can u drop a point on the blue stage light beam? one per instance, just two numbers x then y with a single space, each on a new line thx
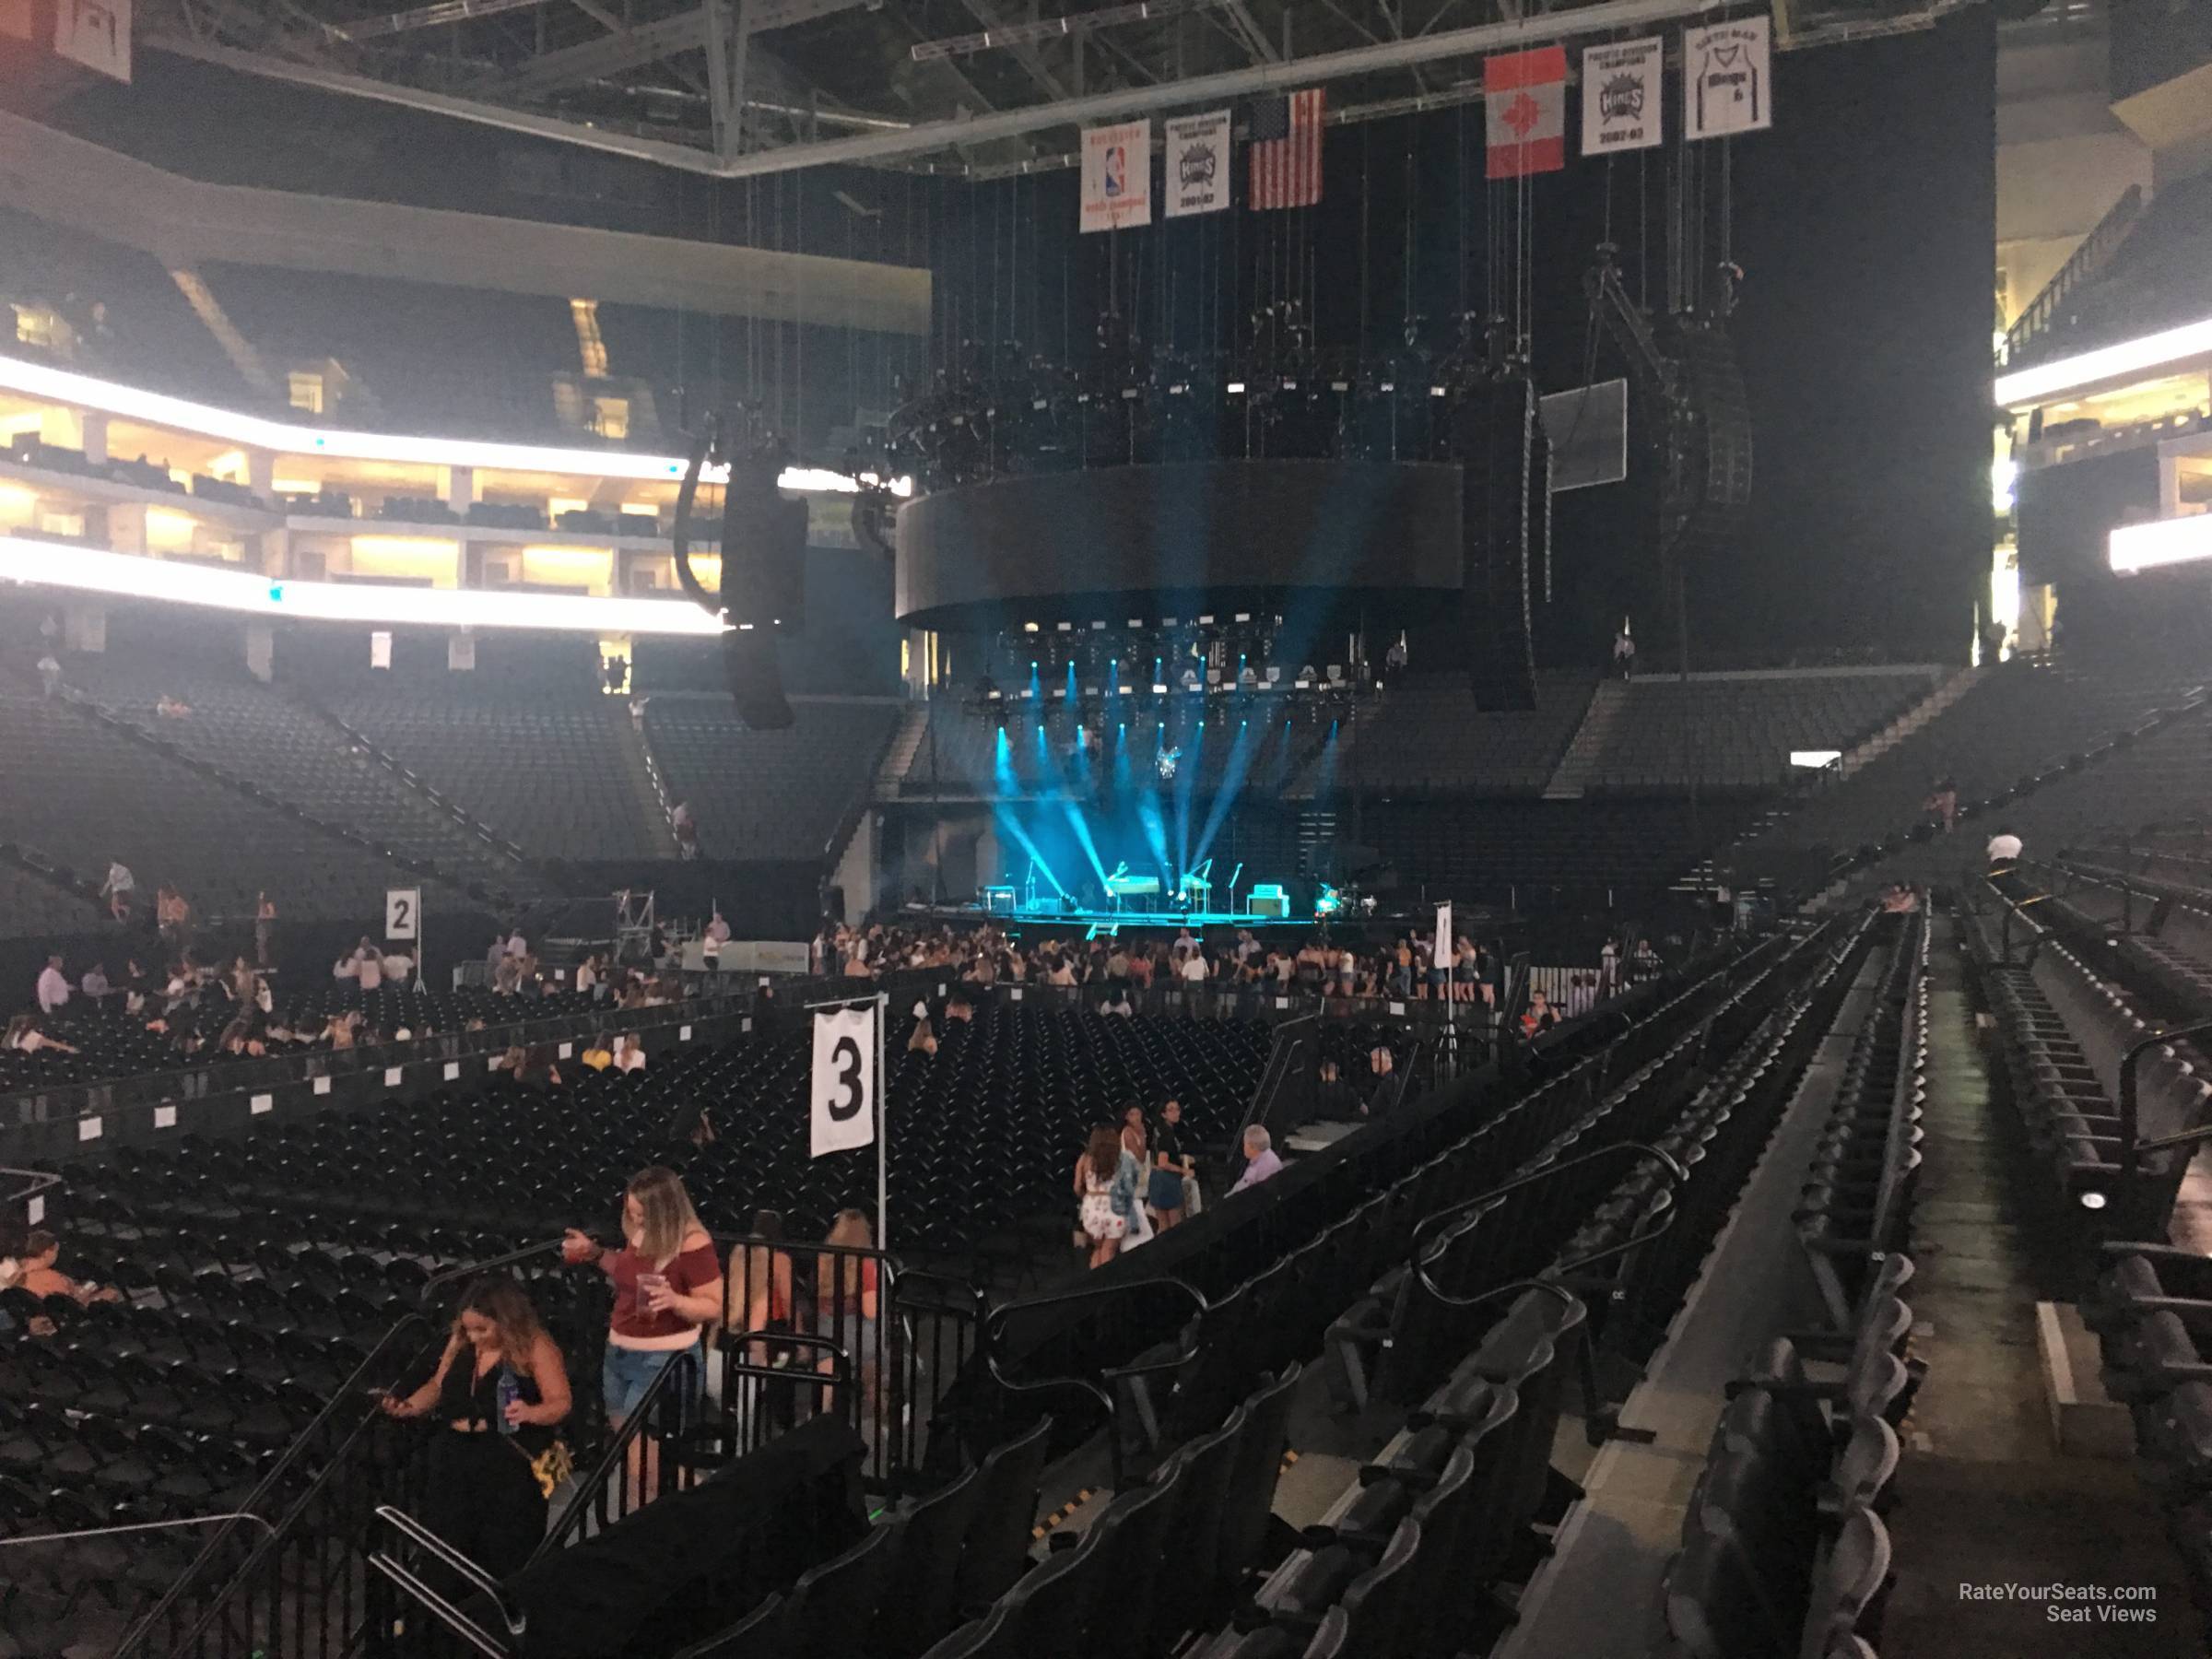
1187 778
1156 832
1232 785
1008 820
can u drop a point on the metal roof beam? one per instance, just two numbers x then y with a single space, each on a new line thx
1026 55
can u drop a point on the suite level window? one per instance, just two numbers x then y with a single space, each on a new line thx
306 391
610 417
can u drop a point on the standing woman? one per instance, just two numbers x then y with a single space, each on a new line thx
1098 1173
1136 1164
845 1304
668 1286
499 1397
760 1299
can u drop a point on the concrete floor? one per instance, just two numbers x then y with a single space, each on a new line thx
1986 1499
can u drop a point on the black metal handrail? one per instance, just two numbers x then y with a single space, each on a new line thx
2131 1146
474 1577
34 1182
994 1325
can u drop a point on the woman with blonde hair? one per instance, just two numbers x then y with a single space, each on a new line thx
668 1287
499 1397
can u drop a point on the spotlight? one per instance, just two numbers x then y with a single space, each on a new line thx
1029 627
2093 1200
1236 388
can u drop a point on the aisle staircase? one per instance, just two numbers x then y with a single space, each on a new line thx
899 754
1588 748
1939 697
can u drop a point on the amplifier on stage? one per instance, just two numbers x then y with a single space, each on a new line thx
999 900
1270 900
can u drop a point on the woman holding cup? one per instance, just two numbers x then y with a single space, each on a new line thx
668 1287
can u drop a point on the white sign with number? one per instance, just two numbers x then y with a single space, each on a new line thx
844 1080
403 912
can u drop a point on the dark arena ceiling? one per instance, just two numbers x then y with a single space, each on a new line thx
979 87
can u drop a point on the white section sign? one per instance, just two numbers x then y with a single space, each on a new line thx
96 33
1117 176
844 1080
1623 97
1727 78
403 912
1197 163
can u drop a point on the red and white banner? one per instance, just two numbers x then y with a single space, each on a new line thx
96 33
1117 176
1524 112
1286 149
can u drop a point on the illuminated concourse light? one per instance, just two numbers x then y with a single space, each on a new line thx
1030 628
1065 626
128 575
2135 547
1236 388
2168 348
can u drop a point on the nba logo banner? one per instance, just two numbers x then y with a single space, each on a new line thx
1117 176
1621 97
1728 81
1197 152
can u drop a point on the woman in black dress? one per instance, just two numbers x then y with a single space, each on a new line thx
1170 1165
498 1397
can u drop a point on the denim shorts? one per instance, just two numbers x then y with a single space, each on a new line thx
625 1373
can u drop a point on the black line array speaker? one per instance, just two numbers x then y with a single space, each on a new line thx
1504 472
763 586
1711 473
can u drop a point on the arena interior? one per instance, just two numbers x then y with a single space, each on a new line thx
1540 673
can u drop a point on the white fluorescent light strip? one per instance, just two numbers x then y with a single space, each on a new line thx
251 432
2173 541
93 571
2173 346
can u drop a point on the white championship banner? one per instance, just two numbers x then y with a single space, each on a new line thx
1623 97
1727 79
1199 156
1117 176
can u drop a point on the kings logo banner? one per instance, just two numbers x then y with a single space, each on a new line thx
1197 163
1622 96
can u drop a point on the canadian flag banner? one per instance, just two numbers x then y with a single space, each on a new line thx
1524 112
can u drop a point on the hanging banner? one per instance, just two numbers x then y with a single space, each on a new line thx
1285 151
1622 96
1524 112
96 33
844 1080
1197 170
16 23
1442 956
1726 83
1117 176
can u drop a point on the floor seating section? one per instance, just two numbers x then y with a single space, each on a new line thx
768 794
984 1132
111 1043
1736 732
266 740
85 794
561 775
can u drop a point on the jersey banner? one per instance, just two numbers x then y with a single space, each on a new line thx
1727 79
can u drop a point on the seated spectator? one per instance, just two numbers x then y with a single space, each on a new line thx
397 966
1901 900
1538 1015
1581 996
597 1055
40 1276
1333 1097
173 707
629 1053
1117 999
923 1039
2003 848
958 1008
1262 1162
23 1037
1645 965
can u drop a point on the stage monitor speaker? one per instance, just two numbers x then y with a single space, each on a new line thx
1496 439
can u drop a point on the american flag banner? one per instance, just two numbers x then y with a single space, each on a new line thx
1286 149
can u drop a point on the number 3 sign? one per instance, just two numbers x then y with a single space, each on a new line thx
844 1080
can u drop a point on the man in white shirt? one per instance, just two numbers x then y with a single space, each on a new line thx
398 964
2004 846
95 983
1193 968
53 986
718 930
50 673
517 947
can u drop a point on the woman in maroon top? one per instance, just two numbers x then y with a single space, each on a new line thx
668 1287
